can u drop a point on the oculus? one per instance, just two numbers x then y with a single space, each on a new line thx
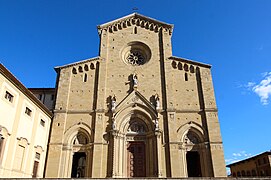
136 53
135 58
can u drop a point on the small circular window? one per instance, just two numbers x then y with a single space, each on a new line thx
135 58
136 53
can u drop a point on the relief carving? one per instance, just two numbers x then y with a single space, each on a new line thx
216 146
212 115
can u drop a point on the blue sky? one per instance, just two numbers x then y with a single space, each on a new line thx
232 35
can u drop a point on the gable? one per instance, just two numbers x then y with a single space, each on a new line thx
135 98
135 19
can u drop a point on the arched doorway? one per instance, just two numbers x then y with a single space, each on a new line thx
81 155
135 148
78 165
194 151
136 159
193 162
77 152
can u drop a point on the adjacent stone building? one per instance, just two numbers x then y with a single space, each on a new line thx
135 110
24 129
45 95
259 165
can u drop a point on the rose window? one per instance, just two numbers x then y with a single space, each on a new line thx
135 53
135 58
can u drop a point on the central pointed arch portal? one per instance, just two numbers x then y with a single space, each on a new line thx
135 147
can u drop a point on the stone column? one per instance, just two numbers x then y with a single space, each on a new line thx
98 165
114 154
158 134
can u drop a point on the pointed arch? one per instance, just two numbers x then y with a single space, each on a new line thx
191 126
126 121
195 152
135 133
71 133
141 112
77 150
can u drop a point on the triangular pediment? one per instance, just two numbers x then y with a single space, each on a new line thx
138 20
135 98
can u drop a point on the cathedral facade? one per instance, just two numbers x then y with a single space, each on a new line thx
135 110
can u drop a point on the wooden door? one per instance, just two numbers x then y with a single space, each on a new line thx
136 159
35 168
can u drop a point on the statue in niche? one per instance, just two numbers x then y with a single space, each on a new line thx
135 80
114 124
157 101
113 103
156 124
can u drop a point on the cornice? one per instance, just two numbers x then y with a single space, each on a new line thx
184 60
266 153
77 63
191 110
138 20
8 75
80 111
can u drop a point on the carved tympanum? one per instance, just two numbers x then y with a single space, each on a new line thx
137 127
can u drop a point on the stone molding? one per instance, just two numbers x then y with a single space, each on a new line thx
94 59
189 61
138 20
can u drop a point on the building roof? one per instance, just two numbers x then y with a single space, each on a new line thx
141 20
7 74
138 19
189 61
77 63
251 158
41 89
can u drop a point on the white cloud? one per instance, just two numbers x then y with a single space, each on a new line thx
237 156
250 84
262 89
231 160
264 74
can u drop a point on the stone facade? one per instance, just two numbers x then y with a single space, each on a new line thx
259 165
45 95
24 129
136 110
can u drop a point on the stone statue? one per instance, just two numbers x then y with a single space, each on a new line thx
114 124
157 101
135 79
156 124
113 102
